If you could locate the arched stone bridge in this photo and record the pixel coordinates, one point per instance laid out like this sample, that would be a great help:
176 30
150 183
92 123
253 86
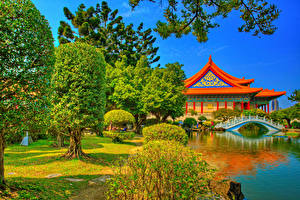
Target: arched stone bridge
236 123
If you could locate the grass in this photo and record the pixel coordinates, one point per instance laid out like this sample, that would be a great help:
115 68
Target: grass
26 168
292 134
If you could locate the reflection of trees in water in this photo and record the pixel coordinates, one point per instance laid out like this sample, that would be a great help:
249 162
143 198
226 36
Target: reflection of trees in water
253 130
235 154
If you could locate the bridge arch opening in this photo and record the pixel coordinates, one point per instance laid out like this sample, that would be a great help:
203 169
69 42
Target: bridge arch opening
253 130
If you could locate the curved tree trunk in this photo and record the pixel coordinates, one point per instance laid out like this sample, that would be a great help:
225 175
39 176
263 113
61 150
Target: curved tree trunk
2 146
75 149
60 140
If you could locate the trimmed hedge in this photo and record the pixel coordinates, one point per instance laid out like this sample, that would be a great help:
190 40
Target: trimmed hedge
118 118
118 137
162 170
165 132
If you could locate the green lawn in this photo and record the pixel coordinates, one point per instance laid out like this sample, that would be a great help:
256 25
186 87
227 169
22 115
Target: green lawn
26 168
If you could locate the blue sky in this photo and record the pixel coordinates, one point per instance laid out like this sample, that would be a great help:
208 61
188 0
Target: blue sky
273 61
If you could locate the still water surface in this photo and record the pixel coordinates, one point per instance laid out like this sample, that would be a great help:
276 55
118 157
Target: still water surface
267 166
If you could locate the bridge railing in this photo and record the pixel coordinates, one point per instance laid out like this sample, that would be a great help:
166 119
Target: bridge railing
237 120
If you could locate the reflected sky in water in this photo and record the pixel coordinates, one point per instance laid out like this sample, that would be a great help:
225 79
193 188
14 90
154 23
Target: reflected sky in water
267 166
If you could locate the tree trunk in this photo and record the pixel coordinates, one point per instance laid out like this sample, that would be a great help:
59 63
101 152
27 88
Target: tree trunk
60 140
139 119
2 146
75 149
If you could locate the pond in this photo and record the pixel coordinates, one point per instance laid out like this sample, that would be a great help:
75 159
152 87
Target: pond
267 166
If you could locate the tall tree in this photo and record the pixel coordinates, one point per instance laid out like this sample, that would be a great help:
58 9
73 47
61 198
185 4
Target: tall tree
26 61
287 114
129 82
103 28
198 16
78 84
163 95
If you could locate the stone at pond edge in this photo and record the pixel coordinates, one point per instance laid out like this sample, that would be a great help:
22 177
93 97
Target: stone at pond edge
53 175
101 179
74 179
229 190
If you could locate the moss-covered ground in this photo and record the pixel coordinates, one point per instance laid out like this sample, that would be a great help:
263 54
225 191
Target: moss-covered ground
27 168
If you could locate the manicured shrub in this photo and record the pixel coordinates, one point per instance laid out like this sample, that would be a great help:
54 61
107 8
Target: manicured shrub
295 124
118 118
193 112
224 114
118 136
189 122
202 118
254 112
161 170
165 132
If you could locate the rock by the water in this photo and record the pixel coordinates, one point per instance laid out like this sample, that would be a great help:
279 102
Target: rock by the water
101 179
53 175
74 179
229 190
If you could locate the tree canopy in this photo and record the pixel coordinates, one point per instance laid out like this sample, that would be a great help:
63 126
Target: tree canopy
163 95
102 27
199 16
287 114
295 96
26 60
78 84
226 114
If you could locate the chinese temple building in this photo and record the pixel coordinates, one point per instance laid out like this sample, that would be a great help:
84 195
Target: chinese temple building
211 89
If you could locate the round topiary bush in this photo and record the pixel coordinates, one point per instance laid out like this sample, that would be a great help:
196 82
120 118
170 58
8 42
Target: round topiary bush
162 170
165 132
118 118
189 122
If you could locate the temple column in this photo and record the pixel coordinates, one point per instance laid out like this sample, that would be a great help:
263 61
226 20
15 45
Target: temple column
217 105
249 105
265 108
225 104
186 108
242 106
256 106
201 107
268 108
233 105
194 106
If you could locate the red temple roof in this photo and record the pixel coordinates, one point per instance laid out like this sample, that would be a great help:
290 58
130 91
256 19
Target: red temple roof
270 93
222 83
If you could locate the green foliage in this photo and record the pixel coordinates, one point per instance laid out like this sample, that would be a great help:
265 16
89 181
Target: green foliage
226 114
102 27
162 95
189 122
202 118
118 136
295 124
295 96
78 83
161 170
193 112
126 83
118 118
165 132
198 17
255 112
26 60
287 114
150 122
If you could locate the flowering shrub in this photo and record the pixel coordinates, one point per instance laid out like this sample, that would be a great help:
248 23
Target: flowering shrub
118 137
165 132
161 170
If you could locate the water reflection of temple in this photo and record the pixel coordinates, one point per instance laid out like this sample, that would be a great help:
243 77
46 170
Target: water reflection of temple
235 155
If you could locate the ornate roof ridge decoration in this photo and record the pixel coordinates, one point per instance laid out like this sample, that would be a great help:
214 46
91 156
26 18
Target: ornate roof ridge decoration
212 80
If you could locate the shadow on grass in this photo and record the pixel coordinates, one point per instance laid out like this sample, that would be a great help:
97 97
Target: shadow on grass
48 188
